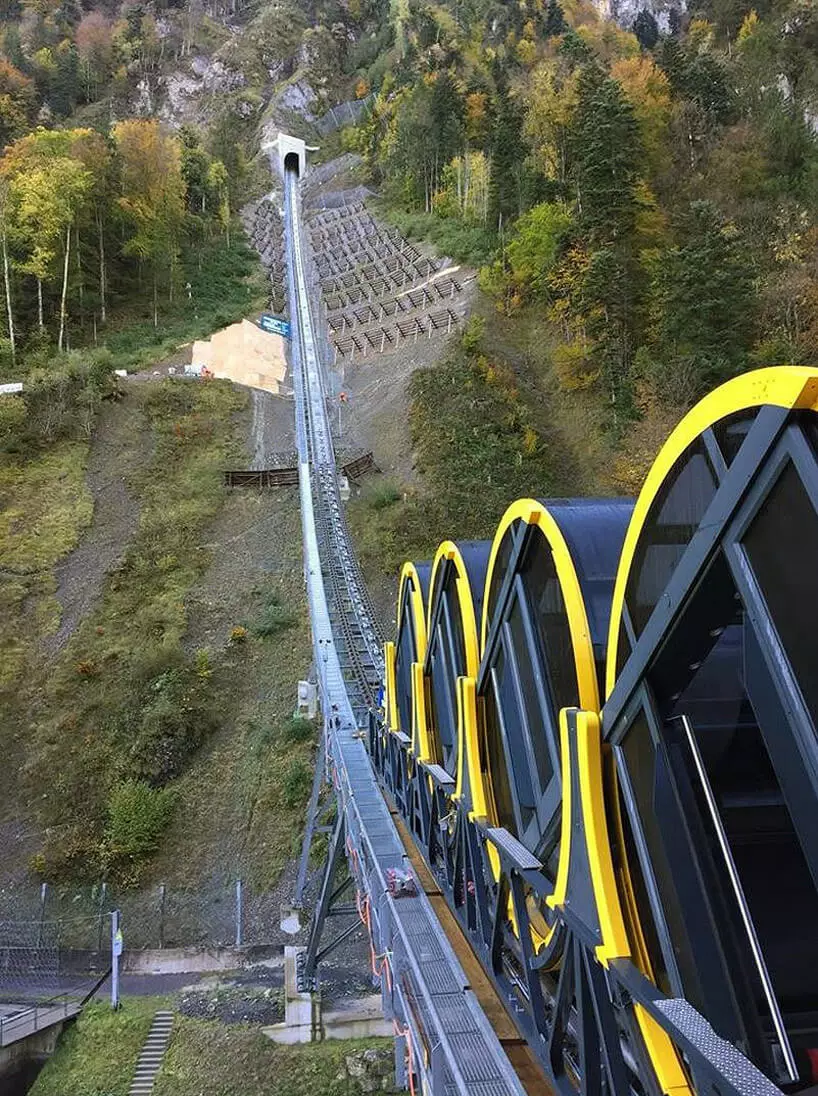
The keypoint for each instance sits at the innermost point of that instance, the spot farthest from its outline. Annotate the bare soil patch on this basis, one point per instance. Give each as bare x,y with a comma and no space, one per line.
121,445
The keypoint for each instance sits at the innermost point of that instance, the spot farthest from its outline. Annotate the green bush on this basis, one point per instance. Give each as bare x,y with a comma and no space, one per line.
384,495
299,729
296,784
463,241
273,618
175,719
137,817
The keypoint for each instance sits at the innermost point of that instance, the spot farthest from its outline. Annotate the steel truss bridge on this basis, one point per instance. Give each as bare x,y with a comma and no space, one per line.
598,746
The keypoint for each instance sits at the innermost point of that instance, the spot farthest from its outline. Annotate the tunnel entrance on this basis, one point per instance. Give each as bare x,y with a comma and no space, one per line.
291,162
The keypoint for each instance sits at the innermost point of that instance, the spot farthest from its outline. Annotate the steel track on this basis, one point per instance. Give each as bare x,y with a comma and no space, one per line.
445,1042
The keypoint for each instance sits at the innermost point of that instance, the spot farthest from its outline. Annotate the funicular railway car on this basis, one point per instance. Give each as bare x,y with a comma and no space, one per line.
602,730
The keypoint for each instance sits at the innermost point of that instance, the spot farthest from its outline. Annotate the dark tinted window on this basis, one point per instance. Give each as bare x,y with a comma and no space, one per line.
504,678
623,649
500,568
730,433
403,672
545,598
640,759
494,760
782,547
671,522
524,658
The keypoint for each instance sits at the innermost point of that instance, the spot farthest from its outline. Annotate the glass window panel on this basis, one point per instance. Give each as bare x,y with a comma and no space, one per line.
500,568
640,758
550,619
494,761
782,547
671,522
731,431
524,658
504,678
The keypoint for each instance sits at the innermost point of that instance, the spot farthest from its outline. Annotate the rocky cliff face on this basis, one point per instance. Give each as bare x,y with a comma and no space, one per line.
625,11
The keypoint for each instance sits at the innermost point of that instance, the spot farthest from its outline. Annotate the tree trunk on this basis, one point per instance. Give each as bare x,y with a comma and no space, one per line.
64,288
102,272
79,274
40,323
227,225
7,283
155,304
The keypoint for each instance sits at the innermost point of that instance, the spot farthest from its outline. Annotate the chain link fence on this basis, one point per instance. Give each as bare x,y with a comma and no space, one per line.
343,114
79,918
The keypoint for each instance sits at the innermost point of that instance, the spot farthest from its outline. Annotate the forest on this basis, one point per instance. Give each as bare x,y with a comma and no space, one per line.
653,190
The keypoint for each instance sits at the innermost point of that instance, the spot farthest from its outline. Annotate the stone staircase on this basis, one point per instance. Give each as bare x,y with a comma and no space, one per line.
152,1053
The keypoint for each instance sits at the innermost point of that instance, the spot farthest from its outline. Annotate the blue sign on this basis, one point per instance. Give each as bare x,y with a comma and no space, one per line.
274,325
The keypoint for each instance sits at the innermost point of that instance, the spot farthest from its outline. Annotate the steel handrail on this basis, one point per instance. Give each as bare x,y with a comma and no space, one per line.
741,901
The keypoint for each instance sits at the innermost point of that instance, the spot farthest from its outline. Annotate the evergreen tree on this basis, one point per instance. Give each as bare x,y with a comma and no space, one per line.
646,29
606,157
705,298
554,20
506,160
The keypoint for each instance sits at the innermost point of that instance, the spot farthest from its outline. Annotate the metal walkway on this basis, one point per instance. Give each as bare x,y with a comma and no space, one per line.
20,1024
449,1044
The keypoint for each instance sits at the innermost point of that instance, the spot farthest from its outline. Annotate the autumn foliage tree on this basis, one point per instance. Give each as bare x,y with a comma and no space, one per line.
153,197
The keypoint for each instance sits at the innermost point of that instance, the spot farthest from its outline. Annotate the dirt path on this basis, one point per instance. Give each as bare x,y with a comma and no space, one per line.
272,428
120,444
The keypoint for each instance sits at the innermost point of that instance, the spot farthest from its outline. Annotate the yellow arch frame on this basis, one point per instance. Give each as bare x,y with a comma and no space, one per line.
409,587
534,513
792,387
448,550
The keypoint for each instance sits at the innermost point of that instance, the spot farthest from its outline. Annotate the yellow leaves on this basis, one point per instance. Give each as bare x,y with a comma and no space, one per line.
700,34
647,89
526,52
574,366
609,41
361,89
476,104
749,27
553,99
153,189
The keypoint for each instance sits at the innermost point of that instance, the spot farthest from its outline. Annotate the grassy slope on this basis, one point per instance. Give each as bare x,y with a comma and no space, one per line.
135,631
97,1055
488,427
141,618
207,1059
241,803
44,507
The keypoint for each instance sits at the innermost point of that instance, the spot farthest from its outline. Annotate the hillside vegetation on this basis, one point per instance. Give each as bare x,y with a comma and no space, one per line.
653,193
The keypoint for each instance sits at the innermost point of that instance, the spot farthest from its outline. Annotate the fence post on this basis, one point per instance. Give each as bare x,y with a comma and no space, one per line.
43,900
103,891
116,951
238,912
161,915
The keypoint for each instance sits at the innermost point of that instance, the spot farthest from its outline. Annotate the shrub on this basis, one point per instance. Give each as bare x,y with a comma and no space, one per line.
175,719
384,495
296,784
203,666
299,729
238,634
273,618
12,421
137,817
